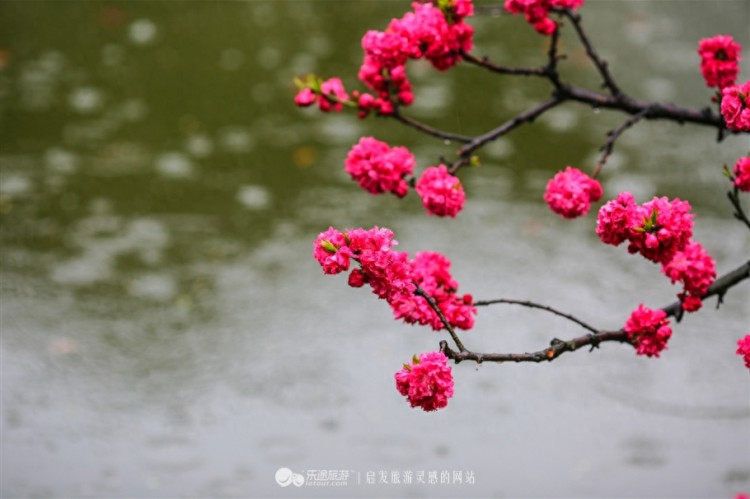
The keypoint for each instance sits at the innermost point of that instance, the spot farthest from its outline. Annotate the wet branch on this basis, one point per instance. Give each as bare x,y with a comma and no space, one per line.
612,137
431,302
531,304
440,134
558,347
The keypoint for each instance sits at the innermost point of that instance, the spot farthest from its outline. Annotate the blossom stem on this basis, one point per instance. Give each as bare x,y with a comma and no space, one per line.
431,302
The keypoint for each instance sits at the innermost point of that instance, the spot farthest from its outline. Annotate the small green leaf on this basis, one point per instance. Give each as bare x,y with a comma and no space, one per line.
727,173
415,359
407,367
639,229
474,160
328,246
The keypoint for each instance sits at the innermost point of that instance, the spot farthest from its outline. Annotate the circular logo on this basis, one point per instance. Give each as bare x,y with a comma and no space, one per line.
284,477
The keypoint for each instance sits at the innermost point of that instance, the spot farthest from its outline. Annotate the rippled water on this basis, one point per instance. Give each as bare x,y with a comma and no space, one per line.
166,333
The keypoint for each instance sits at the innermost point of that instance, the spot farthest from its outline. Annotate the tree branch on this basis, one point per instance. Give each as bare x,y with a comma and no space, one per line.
440,134
431,302
530,304
612,137
558,347
486,64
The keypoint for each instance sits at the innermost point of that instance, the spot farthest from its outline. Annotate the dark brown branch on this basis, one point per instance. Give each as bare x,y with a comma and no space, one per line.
525,117
486,64
739,213
558,347
440,134
601,64
431,302
531,304
612,137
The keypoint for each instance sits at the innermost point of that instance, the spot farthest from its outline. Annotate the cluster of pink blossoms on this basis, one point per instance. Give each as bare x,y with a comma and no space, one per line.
379,168
442,193
742,174
735,106
394,277
648,330
537,12
657,230
661,231
330,95
743,348
696,270
434,31
720,56
427,381
570,193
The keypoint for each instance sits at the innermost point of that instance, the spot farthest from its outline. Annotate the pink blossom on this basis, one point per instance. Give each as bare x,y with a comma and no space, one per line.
305,97
742,174
695,269
394,277
735,106
441,192
743,348
427,381
648,330
656,230
570,193
332,95
379,168
719,60
615,219
537,12
332,251
665,228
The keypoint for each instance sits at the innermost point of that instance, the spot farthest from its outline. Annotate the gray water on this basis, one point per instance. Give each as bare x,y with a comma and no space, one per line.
165,331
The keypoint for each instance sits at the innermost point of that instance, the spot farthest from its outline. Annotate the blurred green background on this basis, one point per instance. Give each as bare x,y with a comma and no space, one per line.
165,331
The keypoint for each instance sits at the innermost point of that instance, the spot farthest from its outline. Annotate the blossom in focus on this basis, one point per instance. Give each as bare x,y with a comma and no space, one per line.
735,106
720,57
657,230
427,381
743,348
695,269
742,174
378,168
331,251
648,330
442,193
570,193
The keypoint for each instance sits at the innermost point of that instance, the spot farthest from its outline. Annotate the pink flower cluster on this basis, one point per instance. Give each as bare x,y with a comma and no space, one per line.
570,193
442,193
742,174
379,168
735,106
427,381
331,95
537,12
648,330
696,270
434,31
394,277
657,230
720,57
743,348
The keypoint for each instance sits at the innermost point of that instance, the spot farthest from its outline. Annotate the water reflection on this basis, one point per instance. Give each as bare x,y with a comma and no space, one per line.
165,333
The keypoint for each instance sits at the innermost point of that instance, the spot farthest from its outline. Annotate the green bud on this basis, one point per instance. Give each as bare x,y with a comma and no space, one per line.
474,160
328,246
415,359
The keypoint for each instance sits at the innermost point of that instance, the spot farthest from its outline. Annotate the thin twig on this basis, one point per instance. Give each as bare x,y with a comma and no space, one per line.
601,65
531,304
558,347
739,213
440,134
485,63
525,117
612,137
431,302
